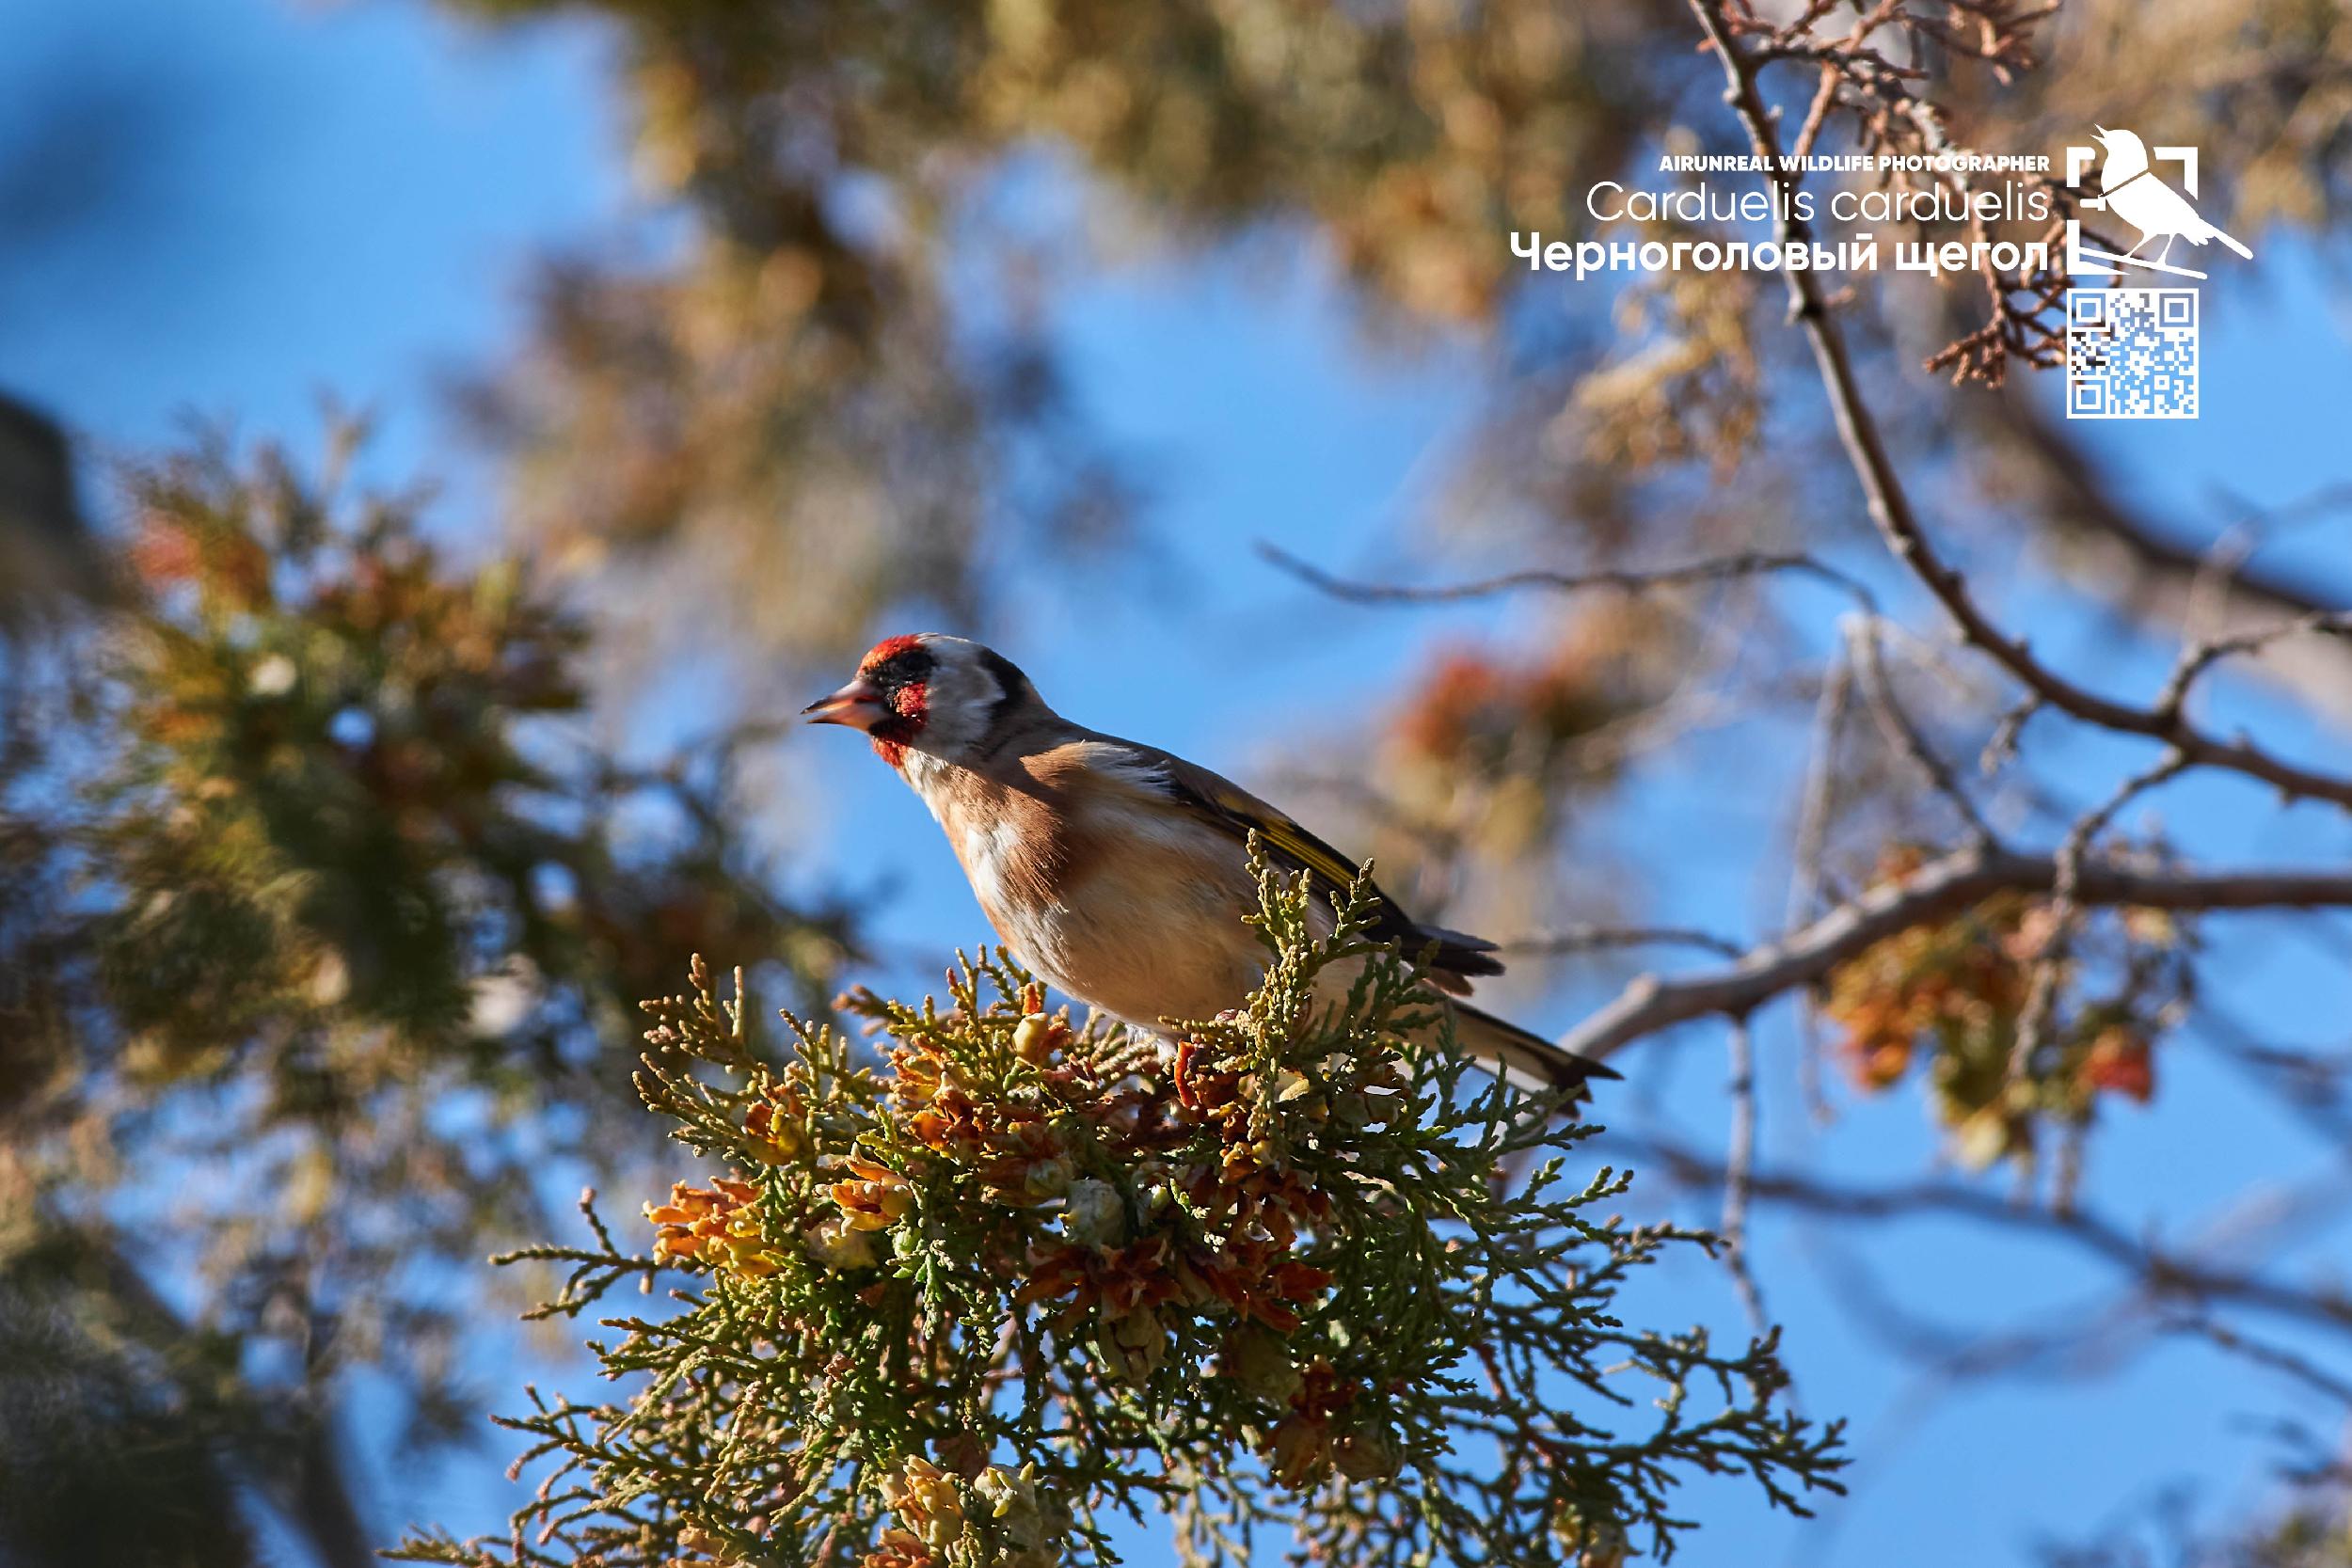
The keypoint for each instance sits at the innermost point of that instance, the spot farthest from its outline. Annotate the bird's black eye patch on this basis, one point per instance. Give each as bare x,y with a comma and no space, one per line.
906,667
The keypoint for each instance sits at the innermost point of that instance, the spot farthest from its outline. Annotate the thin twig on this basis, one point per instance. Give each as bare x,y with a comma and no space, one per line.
1594,938
2277,1359
1738,1165
1896,726
1726,568
2049,962
1806,869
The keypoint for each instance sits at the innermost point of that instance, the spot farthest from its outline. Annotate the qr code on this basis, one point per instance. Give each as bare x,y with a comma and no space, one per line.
2131,354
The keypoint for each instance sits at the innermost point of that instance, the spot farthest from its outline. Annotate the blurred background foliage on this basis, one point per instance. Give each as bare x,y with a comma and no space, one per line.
321,877
311,894
815,369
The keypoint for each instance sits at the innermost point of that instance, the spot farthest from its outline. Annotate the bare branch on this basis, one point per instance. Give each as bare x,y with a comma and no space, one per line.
1595,939
1890,508
1940,888
1723,568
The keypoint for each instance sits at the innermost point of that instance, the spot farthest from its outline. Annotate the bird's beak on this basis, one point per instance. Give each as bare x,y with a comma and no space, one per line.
2099,134
858,705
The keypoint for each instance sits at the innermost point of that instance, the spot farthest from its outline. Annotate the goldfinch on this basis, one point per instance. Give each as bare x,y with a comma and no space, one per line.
1117,873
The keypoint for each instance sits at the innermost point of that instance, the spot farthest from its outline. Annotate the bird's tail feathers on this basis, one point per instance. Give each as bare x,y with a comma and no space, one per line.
2231,243
1527,1059
1456,953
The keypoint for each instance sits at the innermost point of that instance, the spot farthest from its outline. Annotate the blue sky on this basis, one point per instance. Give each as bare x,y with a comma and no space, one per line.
348,204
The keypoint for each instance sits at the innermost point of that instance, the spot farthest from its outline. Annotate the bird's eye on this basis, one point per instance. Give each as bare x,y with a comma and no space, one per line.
908,666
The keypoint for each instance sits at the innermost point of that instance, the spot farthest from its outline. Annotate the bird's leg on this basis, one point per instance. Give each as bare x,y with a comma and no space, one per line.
2136,249
2168,248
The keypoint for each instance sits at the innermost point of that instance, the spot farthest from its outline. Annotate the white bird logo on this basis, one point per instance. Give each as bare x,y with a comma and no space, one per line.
2130,189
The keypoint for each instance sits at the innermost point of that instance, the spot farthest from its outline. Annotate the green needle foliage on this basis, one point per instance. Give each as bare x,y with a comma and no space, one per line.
961,1308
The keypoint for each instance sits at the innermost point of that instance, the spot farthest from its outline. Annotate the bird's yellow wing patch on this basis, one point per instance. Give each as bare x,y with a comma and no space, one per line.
1289,840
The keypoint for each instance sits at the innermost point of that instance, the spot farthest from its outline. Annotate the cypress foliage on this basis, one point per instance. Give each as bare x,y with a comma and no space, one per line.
963,1304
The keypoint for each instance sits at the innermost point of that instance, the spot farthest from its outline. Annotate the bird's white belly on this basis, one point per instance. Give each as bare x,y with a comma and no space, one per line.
1146,926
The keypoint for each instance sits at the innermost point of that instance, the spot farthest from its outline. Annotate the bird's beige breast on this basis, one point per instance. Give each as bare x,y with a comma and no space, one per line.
1125,904
1151,926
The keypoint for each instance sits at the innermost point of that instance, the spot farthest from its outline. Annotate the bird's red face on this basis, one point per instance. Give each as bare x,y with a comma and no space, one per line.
889,699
